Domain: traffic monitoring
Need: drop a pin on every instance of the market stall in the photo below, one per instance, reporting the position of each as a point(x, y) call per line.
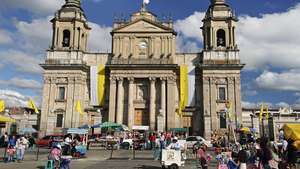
point(81, 148)
point(292, 131)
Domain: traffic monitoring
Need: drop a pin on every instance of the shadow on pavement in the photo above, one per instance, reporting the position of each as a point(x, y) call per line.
point(40, 167)
point(148, 167)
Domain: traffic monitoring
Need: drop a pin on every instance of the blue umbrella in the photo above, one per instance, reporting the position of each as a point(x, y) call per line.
point(27, 130)
point(96, 126)
point(86, 126)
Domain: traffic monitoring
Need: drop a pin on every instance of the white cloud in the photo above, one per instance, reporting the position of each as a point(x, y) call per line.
point(282, 104)
point(189, 33)
point(248, 105)
point(190, 26)
point(99, 39)
point(287, 81)
point(5, 37)
point(34, 36)
point(272, 39)
point(22, 61)
point(251, 105)
point(13, 98)
point(40, 7)
point(22, 83)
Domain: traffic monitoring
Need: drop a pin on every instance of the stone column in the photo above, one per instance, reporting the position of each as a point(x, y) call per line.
point(206, 108)
point(238, 104)
point(152, 103)
point(231, 98)
point(112, 100)
point(120, 101)
point(171, 114)
point(215, 120)
point(163, 103)
point(130, 103)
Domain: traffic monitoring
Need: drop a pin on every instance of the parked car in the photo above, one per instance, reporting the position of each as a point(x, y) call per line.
point(47, 141)
point(192, 140)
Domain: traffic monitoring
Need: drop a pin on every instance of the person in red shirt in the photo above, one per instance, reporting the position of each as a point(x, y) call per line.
point(152, 139)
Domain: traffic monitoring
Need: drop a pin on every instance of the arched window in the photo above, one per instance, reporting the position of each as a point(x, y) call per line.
point(66, 38)
point(221, 38)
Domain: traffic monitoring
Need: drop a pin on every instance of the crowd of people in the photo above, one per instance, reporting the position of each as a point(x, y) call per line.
point(15, 146)
point(252, 153)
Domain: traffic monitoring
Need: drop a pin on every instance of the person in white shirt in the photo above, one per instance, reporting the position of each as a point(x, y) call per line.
point(21, 145)
point(174, 145)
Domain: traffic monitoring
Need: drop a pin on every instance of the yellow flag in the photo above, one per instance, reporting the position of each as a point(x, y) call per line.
point(2, 106)
point(78, 108)
point(267, 113)
point(101, 84)
point(32, 106)
point(261, 112)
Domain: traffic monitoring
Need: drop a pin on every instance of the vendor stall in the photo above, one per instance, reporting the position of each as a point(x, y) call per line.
point(80, 149)
point(292, 131)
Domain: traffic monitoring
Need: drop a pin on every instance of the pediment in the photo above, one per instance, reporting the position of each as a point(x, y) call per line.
point(143, 25)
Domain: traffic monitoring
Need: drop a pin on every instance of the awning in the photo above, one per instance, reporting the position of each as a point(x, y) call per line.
point(292, 131)
point(75, 131)
point(7, 119)
point(179, 129)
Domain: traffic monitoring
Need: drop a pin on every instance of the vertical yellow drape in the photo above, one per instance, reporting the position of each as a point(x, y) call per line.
point(79, 108)
point(101, 84)
point(184, 97)
point(2, 106)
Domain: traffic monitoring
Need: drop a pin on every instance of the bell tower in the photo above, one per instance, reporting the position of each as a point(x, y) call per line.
point(70, 28)
point(219, 26)
point(219, 102)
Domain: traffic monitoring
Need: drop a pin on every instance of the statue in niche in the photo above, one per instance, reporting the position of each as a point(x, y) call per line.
point(141, 92)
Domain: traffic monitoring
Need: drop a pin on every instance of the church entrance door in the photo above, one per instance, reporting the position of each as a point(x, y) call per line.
point(141, 117)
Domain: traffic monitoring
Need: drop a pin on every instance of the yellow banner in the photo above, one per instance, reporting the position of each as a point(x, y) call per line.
point(32, 106)
point(101, 84)
point(78, 108)
point(184, 91)
point(2, 106)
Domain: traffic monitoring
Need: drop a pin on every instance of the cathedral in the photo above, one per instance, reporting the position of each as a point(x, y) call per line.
point(143, 81)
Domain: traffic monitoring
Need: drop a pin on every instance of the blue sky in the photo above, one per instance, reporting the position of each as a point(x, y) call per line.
point(268, 38)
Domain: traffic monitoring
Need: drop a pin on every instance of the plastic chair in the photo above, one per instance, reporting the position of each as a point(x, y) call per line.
point(49, 164)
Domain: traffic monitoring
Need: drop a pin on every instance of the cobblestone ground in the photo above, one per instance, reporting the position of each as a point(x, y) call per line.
point(97, 159)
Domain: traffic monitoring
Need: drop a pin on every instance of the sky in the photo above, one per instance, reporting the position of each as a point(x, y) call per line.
point(268, 38)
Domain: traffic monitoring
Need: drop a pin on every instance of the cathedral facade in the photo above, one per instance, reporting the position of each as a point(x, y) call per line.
point(143, 81)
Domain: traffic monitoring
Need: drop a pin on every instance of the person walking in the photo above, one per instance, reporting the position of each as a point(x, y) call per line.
point(21, 145)
point(265, 153)
point(291, 154)
point(11, 153)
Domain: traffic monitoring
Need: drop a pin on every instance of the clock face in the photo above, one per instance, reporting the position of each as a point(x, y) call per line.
point(143, 45)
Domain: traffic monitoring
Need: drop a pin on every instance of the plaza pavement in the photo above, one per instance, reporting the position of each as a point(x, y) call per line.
point(97, 159)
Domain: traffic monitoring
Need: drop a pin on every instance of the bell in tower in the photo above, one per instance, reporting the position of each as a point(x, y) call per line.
point(70, 28)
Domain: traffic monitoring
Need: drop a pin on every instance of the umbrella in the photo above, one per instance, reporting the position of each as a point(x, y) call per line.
point(245, 129)
point(110, 125)
point(123, 128)
point(96, 125)
point(7, 119)
point(86, 126)
point(27, 130)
